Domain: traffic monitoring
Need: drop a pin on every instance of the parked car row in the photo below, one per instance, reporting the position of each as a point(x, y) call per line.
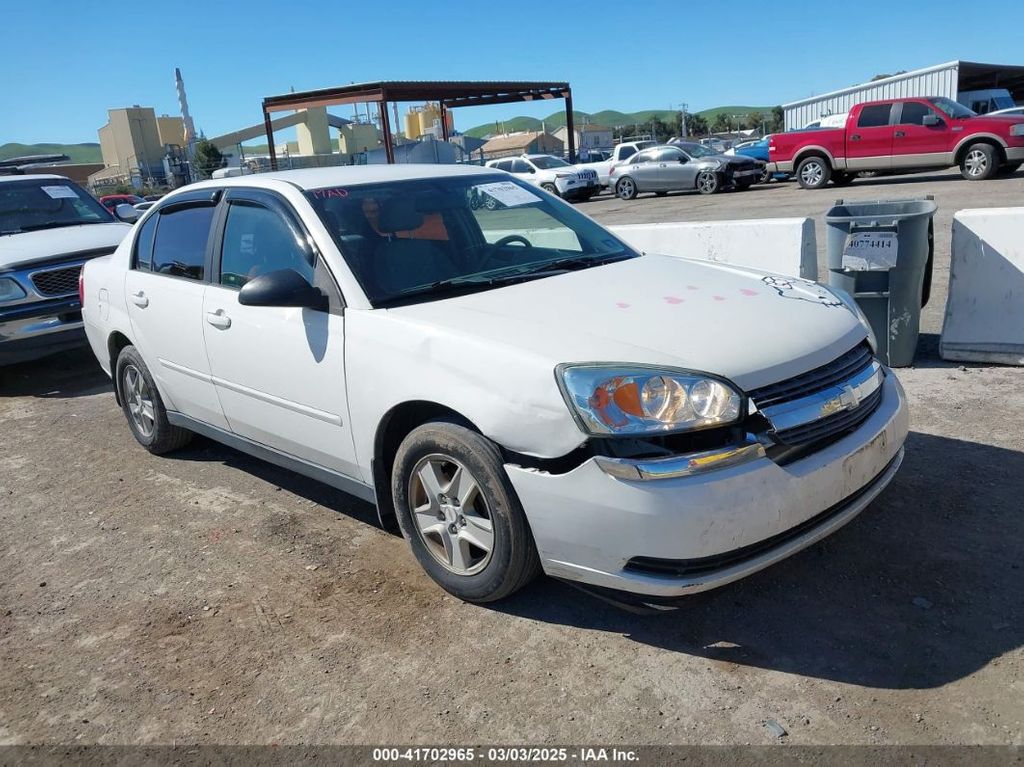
point(682, 166)
point(499, 374)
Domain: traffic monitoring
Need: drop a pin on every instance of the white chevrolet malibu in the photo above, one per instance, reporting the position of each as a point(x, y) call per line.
point(506, 379)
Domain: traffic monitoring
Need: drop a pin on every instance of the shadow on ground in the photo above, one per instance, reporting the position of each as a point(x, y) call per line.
point(70, 374)
point(921, 590)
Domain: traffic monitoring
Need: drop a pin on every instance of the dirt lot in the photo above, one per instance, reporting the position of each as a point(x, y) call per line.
point(207, 597)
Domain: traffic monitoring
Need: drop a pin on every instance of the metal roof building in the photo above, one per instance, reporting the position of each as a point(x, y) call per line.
point(940, 80)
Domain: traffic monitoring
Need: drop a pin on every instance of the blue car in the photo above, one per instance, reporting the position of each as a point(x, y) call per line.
point(759, 151)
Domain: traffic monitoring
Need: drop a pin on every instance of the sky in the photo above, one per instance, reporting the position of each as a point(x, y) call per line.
point(63, 64)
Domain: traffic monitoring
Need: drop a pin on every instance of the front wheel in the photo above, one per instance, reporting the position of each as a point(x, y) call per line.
point(625, 189)
point(708, 182)
point(549, 187)
point(979, 162)
point(143, 406)
point(813, 172)
point(460, 514)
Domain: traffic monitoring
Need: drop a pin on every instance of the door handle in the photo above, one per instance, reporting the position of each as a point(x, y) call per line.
point(855, 137)
point(140, 300)
point(218, 319)
point(899, 134)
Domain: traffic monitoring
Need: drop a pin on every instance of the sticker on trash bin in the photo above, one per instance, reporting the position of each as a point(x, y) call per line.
point(870, 251)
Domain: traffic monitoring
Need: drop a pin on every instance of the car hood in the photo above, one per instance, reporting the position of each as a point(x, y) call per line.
point(750, 327)
point(45, 244)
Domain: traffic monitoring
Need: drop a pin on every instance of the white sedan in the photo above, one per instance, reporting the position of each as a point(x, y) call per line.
point(510, 382)
point(552, 174)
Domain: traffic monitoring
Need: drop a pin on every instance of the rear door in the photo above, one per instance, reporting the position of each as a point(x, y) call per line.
point(869, 140)
point(916, 145)
point(164, 288)
point(279, 371)
point(644, 170)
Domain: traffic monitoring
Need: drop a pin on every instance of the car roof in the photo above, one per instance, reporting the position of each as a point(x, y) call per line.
point(34, 176)
point(315, 178)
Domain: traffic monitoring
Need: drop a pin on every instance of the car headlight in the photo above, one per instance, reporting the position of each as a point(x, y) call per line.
point(10, 290)
point(1017, 129)
point(636, 400)
point(852, 305)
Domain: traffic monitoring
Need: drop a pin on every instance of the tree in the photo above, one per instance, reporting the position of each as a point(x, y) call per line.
point(882, 77)
point(754, 120)
point(721, 123)
point(696, 125)
point(208, 158)
point(777, 122)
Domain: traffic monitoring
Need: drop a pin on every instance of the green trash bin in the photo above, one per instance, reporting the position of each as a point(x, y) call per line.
point(881, 253)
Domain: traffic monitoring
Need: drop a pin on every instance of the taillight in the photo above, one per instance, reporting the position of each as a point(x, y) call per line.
point(81, 287)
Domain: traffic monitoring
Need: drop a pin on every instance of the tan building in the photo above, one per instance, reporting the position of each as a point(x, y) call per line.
point(587, 137)
point(527, 142)
point(132, 143)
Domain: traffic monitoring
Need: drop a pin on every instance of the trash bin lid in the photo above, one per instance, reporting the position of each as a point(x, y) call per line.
point(882, 211)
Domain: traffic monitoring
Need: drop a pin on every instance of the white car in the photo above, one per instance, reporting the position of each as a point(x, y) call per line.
point(49, 227)
point(552, 174)
point(512, 383)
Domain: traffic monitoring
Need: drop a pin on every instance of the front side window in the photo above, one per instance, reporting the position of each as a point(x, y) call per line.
point(179, 248)
point(668, 154)
point(874, 116)
point(257, 240)
point(545, 162)
point(47, 204)
point(951, 108)
point(417, 240)
point(914, 113)
point(520, 166)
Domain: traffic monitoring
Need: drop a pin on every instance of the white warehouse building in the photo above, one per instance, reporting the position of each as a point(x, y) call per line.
point(949, 80)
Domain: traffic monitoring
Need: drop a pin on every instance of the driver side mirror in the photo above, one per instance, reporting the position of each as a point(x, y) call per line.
point(284, 287)
point(683, 160)
point(126, 213)
point(931, 120)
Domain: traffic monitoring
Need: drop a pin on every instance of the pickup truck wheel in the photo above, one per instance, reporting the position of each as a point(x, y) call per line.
point(708, 182)
point(460, 514)
point(841, 178)
point(143, 407)
point(625, 189)
point(979, 162)
point(549, 187)
point(813, 172)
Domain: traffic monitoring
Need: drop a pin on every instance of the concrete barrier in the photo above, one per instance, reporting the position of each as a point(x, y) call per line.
point(784, 246)
point(985, 307)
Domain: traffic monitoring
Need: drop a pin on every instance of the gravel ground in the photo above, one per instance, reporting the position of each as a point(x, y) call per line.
point(207, 597)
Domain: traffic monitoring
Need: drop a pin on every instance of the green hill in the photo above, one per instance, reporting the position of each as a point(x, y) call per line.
point(77, 152)
point(608, 117)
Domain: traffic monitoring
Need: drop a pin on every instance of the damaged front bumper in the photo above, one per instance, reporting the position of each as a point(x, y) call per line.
point(709, 519)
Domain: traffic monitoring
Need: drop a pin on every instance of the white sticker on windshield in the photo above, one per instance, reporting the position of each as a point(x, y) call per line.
point(508, 194)
point(57, 192)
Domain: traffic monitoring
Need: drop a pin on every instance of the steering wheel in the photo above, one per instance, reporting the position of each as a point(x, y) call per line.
point(506, 240)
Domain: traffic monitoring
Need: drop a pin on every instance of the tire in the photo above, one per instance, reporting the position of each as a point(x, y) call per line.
point(979, 163)
point(765, 177)
point(547, 186)
point(813, 172)
point(708, 182)
point(841, 178)
point(625, 188)
point(143, 408)
point(449, 534)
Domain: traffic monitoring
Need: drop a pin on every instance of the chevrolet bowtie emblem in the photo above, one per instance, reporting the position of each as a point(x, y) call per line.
point(848, 399)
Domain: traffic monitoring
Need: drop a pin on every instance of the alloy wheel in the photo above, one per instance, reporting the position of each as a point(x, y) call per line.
point(706, 182)
point(136, 392)
point(626, 189)
point(451, 515)
point(976, 163)
point(812, 173)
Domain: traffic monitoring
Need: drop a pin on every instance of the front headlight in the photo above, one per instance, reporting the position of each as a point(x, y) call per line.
point(635, 400)
point(852, 305)
point(10, 290)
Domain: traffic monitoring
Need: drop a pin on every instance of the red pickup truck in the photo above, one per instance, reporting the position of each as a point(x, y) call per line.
point(901, 135)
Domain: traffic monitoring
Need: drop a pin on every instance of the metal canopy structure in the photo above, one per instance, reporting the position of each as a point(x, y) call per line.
point(448, 95)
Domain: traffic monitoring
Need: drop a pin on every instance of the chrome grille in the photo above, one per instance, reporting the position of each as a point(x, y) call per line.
point(846, 370)
point(57, 282)
point(827, 375)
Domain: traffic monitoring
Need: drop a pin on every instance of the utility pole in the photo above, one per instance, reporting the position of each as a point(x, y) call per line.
point(683, 107)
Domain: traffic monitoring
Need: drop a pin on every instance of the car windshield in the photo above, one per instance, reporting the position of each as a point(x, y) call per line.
point(696, 150)
point(547, 163)
point(423, 239)
point(47, 204)
point(952, 108)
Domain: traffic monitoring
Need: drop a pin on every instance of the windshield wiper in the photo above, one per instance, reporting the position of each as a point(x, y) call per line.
point(52, 225)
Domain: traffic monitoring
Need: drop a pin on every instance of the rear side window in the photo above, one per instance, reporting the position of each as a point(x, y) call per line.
point(874, 116)
point(144, 244)
point(179, 248)
point(643, 157)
